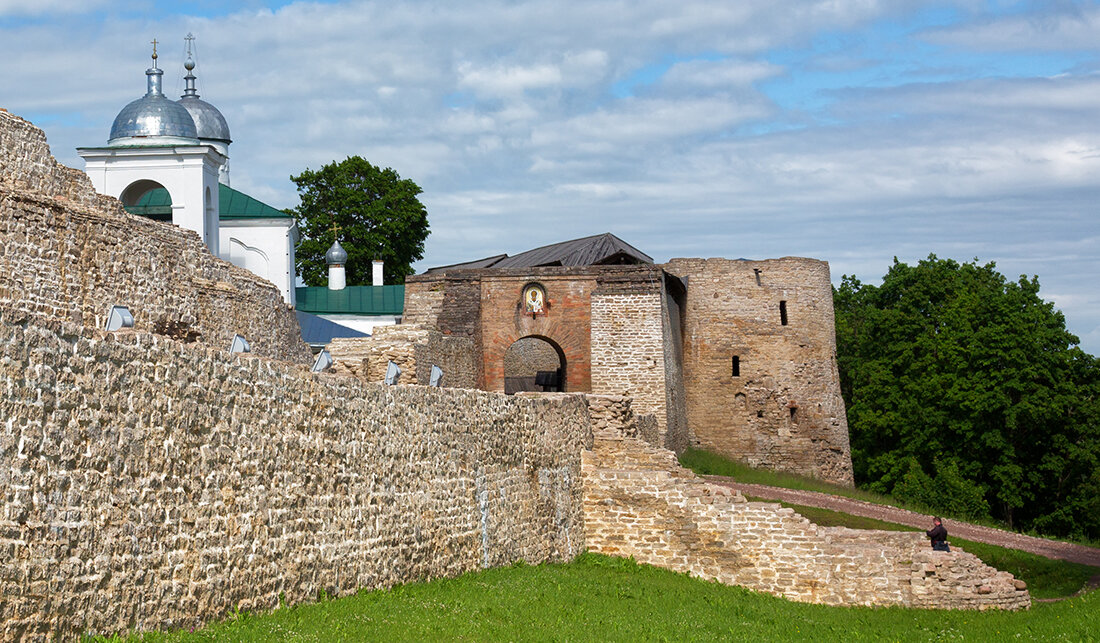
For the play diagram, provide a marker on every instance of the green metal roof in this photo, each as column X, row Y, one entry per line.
column 154, row 204
column 232, row 204
column 353, row 300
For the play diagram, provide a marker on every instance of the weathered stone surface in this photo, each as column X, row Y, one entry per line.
column 414, row 349
column 638, row 502
column 783, row 409
column 151, row 484
column 151, row 480
column 67, row 253
column 617, row 327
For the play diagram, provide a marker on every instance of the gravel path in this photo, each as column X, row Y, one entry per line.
column 978, row 533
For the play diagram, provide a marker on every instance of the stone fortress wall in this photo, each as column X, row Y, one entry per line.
column 151, row 480
column 67, row 253
column 617, row 328
column 639, row 502
column 414, row 349
column 779, row 407
column 150, row 484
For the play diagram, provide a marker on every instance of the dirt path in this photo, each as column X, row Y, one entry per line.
column 978, row 533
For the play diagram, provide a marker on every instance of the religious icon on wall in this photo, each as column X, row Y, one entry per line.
column 534, row 299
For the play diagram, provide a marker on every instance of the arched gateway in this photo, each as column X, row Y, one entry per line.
column 534, row 363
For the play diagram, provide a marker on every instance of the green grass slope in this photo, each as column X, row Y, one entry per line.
column 600, row 598
column 707, row 463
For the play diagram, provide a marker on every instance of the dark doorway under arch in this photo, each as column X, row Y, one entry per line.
column 147, row 199
column 534, row 363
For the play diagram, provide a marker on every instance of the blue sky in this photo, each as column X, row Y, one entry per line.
column 848, row 131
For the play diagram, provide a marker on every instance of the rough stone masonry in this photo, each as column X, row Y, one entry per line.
column 151, row 480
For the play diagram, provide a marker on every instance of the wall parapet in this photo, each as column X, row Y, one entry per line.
column 68, row 253
column 152, row 484
column 639, row 502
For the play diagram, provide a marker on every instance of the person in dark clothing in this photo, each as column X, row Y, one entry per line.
column 938, row 535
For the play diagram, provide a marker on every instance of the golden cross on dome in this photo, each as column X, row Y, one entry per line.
column 154, row 48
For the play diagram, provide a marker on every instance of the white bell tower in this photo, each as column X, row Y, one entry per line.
column 154, row 144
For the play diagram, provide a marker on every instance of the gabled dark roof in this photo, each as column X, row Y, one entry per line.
column 600, row 249
column 318, row 331
column 477, row 263
column 353, row 300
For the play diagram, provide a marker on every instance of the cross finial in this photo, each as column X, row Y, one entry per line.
column 335, row 230
column 154, row 48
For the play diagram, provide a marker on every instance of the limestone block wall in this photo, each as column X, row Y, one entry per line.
column 638, row 502
column 67, row 253
column 152, row 484
column 423, row 303
column 414, row 349
column 635, row 348
column 757, row 389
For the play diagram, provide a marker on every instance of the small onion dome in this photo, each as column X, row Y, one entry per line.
column 153, row 115
column 209, row 122
column 336, row 255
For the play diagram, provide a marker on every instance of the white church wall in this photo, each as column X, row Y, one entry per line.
column 189, row 173
column 263, row 246
column 362, row 323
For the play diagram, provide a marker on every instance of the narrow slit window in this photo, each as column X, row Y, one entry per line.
column 783, row 313
column 735, row 369
column 756, row 272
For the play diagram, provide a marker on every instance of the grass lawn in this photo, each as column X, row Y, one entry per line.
column 707, row 463
column 601, row 598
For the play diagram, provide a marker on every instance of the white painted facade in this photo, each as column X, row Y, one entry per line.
column 188, row 172
column 264, row 247
column 362, row 323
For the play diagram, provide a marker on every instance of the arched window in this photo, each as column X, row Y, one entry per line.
column 147, row 199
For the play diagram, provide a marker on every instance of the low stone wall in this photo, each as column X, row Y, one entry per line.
column 414, row 349
column 149, row 484
column 638, row 502
column 70, row 254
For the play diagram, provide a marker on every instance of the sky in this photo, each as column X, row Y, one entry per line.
column 855, row 132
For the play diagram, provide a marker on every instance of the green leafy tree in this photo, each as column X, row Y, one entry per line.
column 375, row 212
column 953, row 364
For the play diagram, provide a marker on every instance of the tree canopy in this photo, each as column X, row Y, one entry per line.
column 375, row 213
column 966, row 392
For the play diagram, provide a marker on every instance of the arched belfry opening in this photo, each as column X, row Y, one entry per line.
column 534, row 363
column 147, row 198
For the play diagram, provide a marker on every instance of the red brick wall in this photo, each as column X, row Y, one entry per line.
column 566, row 321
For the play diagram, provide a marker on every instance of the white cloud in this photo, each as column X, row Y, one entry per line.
column 46, row 7
column 1057, row 27
column 506, row 114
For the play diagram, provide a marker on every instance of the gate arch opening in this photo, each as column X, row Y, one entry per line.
column 534, row 363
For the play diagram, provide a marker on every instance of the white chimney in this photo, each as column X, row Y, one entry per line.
column 376, row 276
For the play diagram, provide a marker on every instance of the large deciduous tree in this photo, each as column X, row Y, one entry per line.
column 375, row 213
column 952, row 370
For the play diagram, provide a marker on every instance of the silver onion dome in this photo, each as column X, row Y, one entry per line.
column 209, row 122
column 336, row 255
column 152, row 115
